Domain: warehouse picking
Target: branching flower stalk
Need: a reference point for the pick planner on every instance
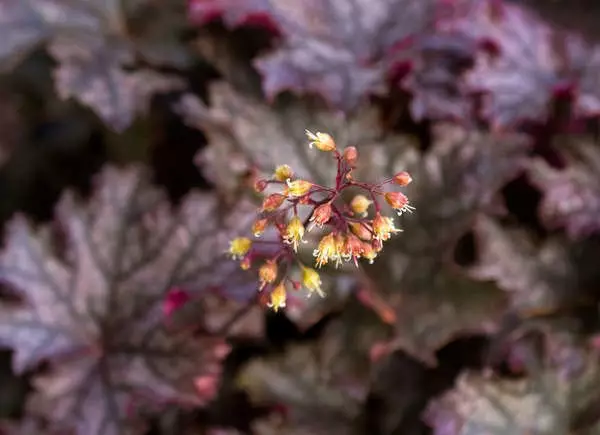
(349, 233)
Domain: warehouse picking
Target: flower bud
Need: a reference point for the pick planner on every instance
(361, 230)
(260, 185)
(297, 188)
(383, 227)
(350, 156)
(258, 228)
(369, 253)
(278, 297)
(294, 232)
(239, 247)
(321, 214)
(322, 141)
(327, 249)
(360, 204)
(353, 248)
(402, 178)
(267, 273)
(399, 202)
(312, 281)
(273, 202)
(246, 263)
(283, 172)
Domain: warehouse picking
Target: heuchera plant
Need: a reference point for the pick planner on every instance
(350, 233)
(121, 310)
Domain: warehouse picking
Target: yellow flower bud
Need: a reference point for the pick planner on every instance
(283, 172)
(360, 204)
(278, 297)
(239, 247)
(297, 188)
(312, 281)
(322, 141)
(328, 249)
(383, 227)
(294, 232)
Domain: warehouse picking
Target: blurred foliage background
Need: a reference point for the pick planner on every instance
(130, 133)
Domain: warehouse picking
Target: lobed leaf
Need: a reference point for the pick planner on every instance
(551, 401)
(541, 277)
(437, 77)
(93, 48)
(334, 48)
(93, 308)
(571, 196)
(242, 132)
(430, 299)
(321, 384)
(524, 62)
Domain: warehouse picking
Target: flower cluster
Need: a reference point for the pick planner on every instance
(352, 230)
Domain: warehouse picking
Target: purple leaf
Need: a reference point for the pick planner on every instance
(94, 310)
(571, 195)
(332, 48)
(521, 78)
(321, 384)
(523, 63)
(96, 78)
(550, 401)
(21, 29)
(242, 130)
(92, 47)
(432, 299)
(540, 276)
(336, 48)
(437, 77)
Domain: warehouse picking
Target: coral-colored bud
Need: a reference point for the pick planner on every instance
(360, 204)
(398, 201)
(350, 156)
(273, 201)
(361, 230)
(258, 228)
(383, 227)
(322, 141)
(297, 188)
(246, 263)
(283, 172)
(369, 253)
(267, 273)
(402, 178)
(260, 185)
(353, 248)
(321, 215)
(239, 247)
(278, 297)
